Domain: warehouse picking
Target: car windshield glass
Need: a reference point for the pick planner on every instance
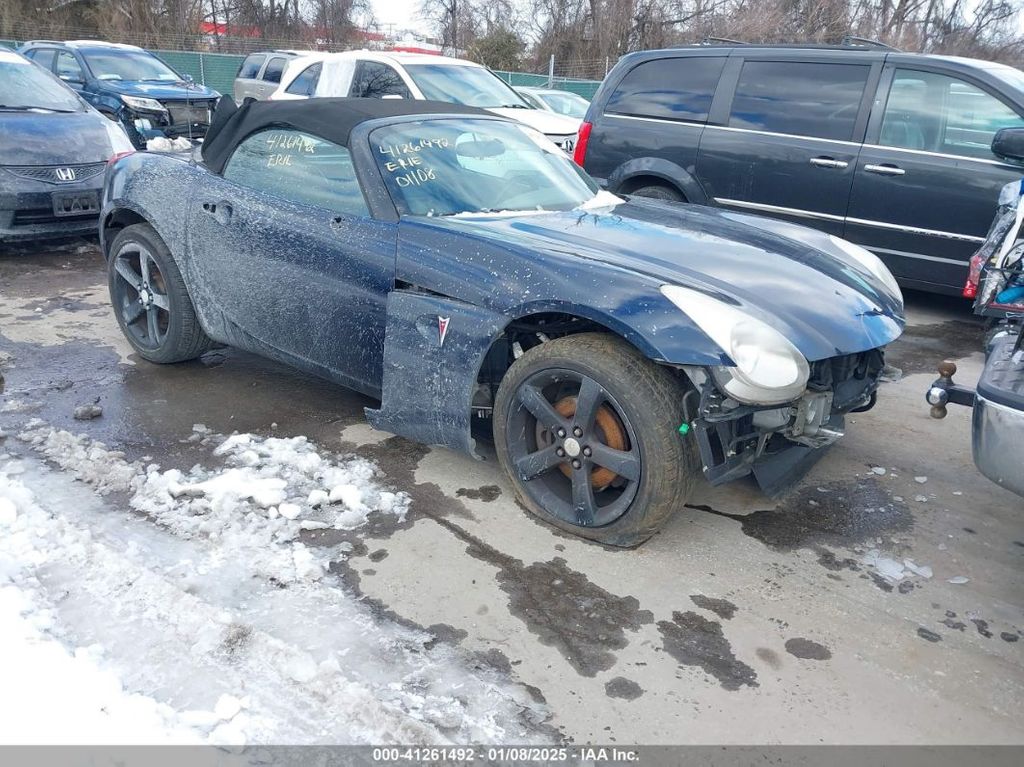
(445, 167)
(475, 86)
(566, 103)
(23, 85)
(128, 65)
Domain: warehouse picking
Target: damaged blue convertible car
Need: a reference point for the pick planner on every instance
(459, 268)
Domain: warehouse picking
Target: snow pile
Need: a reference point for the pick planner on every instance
(161, 144)
(44, 684)
(271, 489)
(204, 617)
(893, 570)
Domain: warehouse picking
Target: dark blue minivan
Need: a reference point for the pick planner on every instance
(893, 151)
(130, 85)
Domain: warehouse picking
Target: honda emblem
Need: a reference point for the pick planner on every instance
(442, 329)
(65, 174)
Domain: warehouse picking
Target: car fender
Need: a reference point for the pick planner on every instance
(659, 168)
(433, 349)
(140, 183)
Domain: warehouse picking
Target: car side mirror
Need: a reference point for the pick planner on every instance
(1008, 144)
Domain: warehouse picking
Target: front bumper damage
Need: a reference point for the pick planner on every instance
(176, 119)
(779, 443)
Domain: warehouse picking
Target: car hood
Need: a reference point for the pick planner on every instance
(55, 138)
(179, 90)
(548, 123)
(791, 277)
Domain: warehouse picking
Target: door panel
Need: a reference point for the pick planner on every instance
(791, 142)
(306, 278)
(926, 186)
(799, 179)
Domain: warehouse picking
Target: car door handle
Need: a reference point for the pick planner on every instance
(221, 211)
(885, 170)
(829, 162)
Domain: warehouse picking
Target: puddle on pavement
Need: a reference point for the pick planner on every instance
(838, 514)
(487, 493)
(560, 606)
(693, 640)
(723, 608)
(807, 649)
(922, 347)
(770, 657)
(566, 611)
(623, 688)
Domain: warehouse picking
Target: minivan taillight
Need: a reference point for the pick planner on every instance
(973, 276)
(579, 154)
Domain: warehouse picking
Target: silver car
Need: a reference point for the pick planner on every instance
(261, 72)
(555, 100)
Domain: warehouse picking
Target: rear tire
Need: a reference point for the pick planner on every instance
(658, 192)
(630, 454)
(150, 299)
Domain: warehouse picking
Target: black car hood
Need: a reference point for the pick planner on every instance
(53, 138)
(791, 277)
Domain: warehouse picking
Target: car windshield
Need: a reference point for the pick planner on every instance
(109, 64)
(445, 167)
(566, 103)
(24, 86)
(474, 86)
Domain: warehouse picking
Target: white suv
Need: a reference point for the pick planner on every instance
(369, 74)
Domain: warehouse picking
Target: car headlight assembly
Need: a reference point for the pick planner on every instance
(768, 369)
(143, 104)
(872, 263)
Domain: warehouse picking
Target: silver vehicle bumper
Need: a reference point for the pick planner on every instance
(998, 443)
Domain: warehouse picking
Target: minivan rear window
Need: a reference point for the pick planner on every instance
(672, 89)
(251, 66)
(799, 98)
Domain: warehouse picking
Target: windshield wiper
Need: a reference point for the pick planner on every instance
(30, 107)
(514, 106)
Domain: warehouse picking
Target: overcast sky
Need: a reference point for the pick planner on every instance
(404, 14)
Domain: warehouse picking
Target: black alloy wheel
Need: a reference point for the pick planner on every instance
(150, 298)
(587, 430)
(140, 296)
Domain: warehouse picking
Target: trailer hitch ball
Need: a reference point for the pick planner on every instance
(938, 393)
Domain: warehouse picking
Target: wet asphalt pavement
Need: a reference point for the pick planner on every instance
(746, 620)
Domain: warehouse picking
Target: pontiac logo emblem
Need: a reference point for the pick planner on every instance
(442, 329)
(65, 174)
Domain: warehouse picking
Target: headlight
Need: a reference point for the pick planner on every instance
(871, 262)
(147, 105)
(118, 138)
(768, 369)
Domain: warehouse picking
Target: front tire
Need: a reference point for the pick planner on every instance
(587, 430)
(658, 192)
(150, 300)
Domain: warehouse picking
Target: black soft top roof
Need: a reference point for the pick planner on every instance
(331, 119)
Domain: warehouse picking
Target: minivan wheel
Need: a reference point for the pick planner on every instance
(586, 429)
(150, 299)
(659, 192)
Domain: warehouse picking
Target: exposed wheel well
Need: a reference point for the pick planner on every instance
(633, 183)
(117, 221)
(521, 335)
